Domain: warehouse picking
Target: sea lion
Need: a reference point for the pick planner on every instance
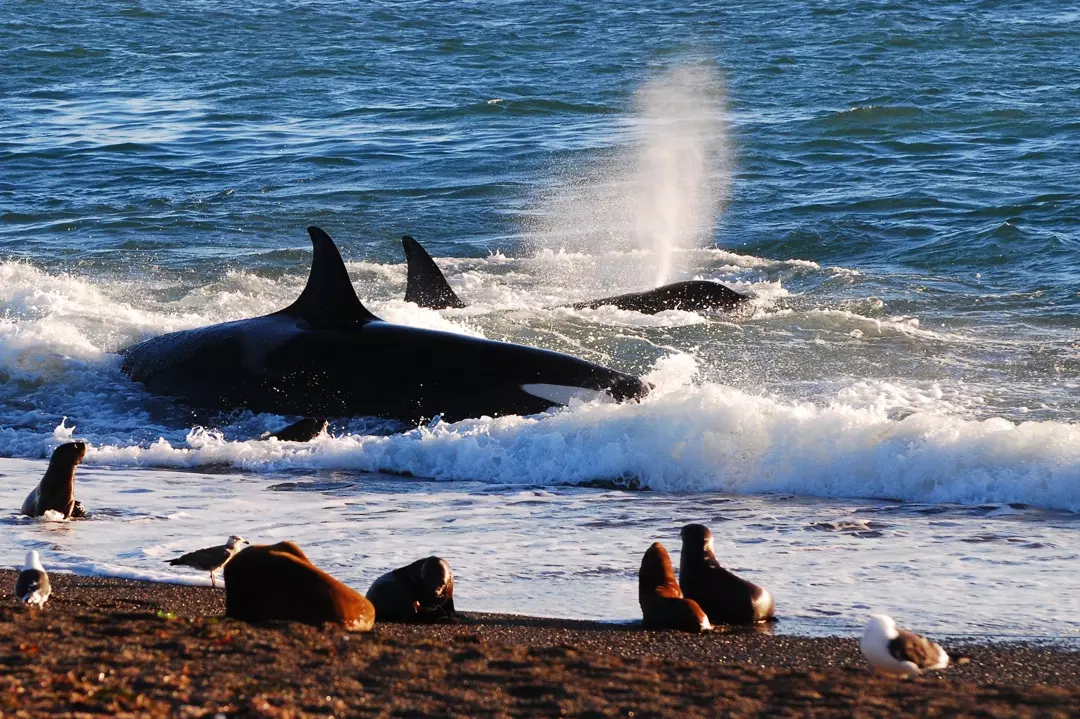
(725, 597)
(56, 490)
(891, 650)
(303, 430)
(422, 592)
(662, 602)
(267, 582)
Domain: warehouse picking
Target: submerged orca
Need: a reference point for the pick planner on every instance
(427, 287)
(327, 355)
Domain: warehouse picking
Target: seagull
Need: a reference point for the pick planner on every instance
(891, 650)
(32, 584)
(211, 559)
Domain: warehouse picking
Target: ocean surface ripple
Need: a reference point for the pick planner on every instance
(892, 183)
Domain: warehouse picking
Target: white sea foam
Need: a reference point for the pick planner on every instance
(902, 438)
(694, 438)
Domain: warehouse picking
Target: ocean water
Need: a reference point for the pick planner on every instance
(892, 425)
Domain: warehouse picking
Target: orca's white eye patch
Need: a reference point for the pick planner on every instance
(562, 394)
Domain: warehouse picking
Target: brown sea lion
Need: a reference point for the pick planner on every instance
(662, 602)
(265, 582)
(725, 597)
(56, 490)
(422, 592)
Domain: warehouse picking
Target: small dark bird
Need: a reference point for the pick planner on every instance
(891, 650)
(726, 597)
(303, 430)
(211, 559)
(32, 584)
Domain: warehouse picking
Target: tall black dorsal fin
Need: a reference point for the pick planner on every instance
(329, 300)
(426, 285)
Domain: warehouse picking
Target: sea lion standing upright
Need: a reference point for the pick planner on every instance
(661, 599)
(56, 490)
(421, 592)
(725, 597)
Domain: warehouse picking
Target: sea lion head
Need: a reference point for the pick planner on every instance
(656, 569)
(71, 453)
(696, 537)
(436, 580)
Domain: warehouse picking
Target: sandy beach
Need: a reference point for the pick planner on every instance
(122, 647)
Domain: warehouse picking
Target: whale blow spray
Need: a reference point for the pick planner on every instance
(660, 190)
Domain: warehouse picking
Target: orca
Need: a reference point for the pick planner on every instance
(327, 355)
(427, 287)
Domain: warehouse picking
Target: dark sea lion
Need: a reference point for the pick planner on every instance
(56, 490)
(422, 592)
(725, 597)
(427, 287)
(268, 582)
(303, 430)
(662, 602)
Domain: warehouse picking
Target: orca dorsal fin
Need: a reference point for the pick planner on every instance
(426, 285)
(328, 300)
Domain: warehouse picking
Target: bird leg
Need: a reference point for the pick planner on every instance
(212, 582)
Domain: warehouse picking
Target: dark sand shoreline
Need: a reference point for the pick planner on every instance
(115, 646)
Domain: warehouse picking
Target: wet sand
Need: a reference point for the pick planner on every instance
(111, 646)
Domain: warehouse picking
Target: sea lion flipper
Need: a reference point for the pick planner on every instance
(426, 285)
(328, 300)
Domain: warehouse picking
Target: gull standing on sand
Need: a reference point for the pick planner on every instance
(891, 650)
(32, 585)
(211, 559)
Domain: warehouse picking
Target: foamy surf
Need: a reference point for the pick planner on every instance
(905, 439)
(706, 438)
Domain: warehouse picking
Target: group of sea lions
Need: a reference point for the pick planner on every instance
(708, 593)
(279, 582)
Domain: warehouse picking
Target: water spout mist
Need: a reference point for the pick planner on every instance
(660, 190)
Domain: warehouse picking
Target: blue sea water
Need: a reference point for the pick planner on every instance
(893, 183)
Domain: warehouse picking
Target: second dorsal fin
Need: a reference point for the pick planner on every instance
(426, 285)
(328, 300)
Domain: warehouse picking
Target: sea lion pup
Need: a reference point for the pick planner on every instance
(422, 592)
(303, 430)
(277, 581)
(32, 586)
(725, 597)
(662, 602)
(56, 490)
(891, 650)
